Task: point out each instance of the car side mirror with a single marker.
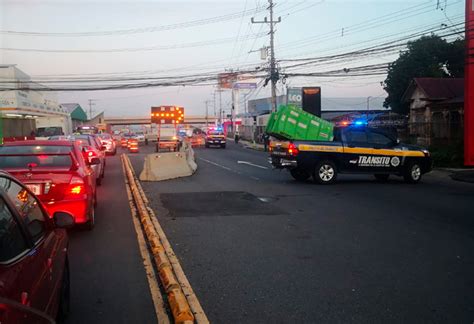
(63, 219)
(94, 161)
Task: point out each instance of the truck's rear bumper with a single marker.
(282, 163)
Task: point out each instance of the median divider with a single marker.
(170, 275)
(169, 165)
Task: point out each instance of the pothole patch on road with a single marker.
(220, 203)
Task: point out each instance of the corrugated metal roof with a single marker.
(441, 88)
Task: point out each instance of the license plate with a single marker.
(35, 188)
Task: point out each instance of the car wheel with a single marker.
(381, 177)
(300, 175)
(91, 222)
(223, 146)
(325, 172)
(412, 173)
(64, 294)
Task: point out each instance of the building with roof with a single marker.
(22, 104)
(436, 109)
(77, 113)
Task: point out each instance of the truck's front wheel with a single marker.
(412, 173)
(325, 172)
(300, 175)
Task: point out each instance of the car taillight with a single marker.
(292, 150)
(76, 187)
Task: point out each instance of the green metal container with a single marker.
(294, 123)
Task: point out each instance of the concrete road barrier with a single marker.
(172, 165)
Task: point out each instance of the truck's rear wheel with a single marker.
(325, 172)
(412, 172)
(300, 175)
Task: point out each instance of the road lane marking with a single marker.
(158, 303)
(229, 169)
(255, 165)
(217, 164)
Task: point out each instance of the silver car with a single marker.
(109, 143)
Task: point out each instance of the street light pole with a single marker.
(368, 106)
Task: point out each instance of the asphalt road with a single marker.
(259, 247)
(108, 280)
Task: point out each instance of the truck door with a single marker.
(384, 151)
(356, 149)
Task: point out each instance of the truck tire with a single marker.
(412, 173)
(299, 174)
(381, 177)
(325, 172)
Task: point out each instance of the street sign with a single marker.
(295, 97)
(245, 85)
(167, 115)
(312, 100)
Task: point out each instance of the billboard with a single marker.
(312, 100)
(164, 115)
(295, 97)
(468, 86)
(226, 80)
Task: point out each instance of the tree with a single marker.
(428, 56)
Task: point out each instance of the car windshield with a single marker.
(81, 139)
(24, 156)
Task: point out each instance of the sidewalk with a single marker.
(248, 144)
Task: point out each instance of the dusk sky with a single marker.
(308, 29)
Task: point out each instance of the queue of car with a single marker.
(46, 187)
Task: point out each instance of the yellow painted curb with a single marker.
(178, 303)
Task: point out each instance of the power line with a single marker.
(150, 48)
(132, 31)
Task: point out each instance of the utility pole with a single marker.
(214, 104)
(91, 103)
(274, 77)
(207, 114)
(220, 106)
(368, 106)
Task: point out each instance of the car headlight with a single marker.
(426, 152)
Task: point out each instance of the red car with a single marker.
(34, 269)
(58, 173)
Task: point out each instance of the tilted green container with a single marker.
(294, 123)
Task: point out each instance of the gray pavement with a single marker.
(108, 280)
(259, 247)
